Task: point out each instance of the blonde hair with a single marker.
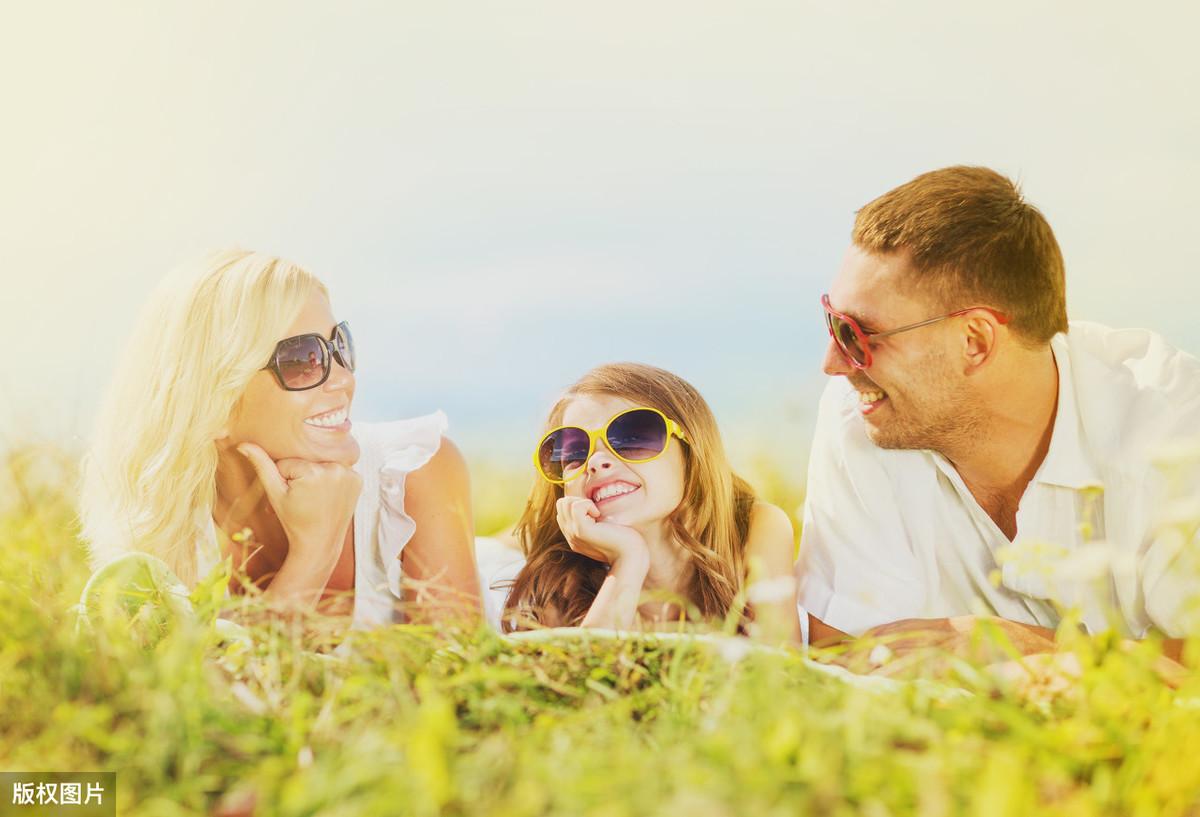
(711, 523)
(149, 477)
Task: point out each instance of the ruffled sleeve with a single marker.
(406, 445)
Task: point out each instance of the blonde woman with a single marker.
(230, 412)
(637, 518)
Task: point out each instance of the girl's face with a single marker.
(313, 424)
(637, 494)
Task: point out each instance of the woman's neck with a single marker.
(241, 502)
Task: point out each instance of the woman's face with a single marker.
(296, 423)
(637, 494)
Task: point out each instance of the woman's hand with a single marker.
(314, 502)
(608, 542)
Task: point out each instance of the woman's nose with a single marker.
(339, 377)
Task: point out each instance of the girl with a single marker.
(231, 412)
(637, 517)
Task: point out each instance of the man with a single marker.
(973, 454)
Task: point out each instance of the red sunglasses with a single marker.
(855, 342)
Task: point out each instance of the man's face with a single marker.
(915, 392)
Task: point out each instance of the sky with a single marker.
(502, 195)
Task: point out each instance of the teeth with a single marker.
(615, 489)
(333, 418)
(870, 396)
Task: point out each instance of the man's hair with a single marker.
(973, 240)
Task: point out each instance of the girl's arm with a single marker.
(442, 581)
(771, 579)
(616, 605)
(622, 548)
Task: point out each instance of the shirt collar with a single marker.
(1067, 462)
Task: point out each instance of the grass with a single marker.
(410, 720)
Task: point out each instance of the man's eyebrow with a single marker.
(863, 321)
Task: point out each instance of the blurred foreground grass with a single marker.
(412, 721)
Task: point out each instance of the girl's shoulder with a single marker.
(770, 531)
(764, 514)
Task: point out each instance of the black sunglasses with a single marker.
(304, 361)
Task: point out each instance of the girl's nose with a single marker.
(601, 458)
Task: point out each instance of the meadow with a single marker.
(288, 717)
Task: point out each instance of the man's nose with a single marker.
(835, 362)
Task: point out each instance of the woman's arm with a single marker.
(314, 504)
(441, 580)
(771, 579)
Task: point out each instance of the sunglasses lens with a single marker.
(563, 452)
(638, 435)
(301, 362)
(847, 340)
(343, 345)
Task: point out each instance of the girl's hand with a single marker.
(313, 500)
(608, 542)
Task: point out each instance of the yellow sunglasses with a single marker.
(634, 435)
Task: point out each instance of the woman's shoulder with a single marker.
(444, 472)
(399, 445)
(383, 437)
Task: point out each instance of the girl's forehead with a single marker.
(594, 410)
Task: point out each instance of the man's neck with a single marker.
(1016, 426)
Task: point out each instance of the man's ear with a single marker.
(980, 341)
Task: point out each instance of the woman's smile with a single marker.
(336, 420)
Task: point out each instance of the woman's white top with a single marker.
(389, 452)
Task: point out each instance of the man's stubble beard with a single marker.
(947, 424)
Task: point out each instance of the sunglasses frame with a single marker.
(864, 337)
(331, 354)
(673, 430)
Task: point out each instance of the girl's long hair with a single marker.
(557, 585)
(149, 477)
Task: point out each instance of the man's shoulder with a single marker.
(1132, 385)
(1132, 361)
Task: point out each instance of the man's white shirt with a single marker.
(890, 534)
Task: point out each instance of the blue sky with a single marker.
(502, 195)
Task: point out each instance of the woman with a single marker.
(226, 433)
(637, 518)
